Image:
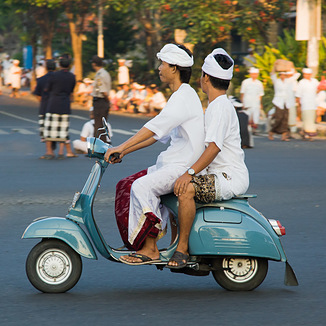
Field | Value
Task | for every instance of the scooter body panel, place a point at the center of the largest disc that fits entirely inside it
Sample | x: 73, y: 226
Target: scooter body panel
x: 231, y: 228
x: 229, y: 236
x: 62, y: 229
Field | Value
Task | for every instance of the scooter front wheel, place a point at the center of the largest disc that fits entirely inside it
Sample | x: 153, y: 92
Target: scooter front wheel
x: 240, y: 273
x: 53, y: 267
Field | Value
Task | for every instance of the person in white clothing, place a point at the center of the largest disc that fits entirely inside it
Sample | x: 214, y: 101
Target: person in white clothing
x: 182, y: 122
x: 225, y: 173
x: 123, y: 72
x: 157, y: 102
x: 281, y: 101
x: 40, y: 69
x: 292, y: 81
x: 306, y: 96
x: 6, y: 65
x: 251, y: 93
x: 15, y: 78
x: 80, y: 145
x: 321, y: 105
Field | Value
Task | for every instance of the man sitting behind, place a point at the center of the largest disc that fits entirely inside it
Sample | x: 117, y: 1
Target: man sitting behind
x: 226, y: 174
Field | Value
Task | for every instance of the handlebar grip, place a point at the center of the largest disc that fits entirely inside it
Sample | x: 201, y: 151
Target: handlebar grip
x: 114, y: 156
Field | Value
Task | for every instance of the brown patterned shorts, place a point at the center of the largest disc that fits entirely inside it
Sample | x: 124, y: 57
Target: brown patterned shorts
x: 204, y: 188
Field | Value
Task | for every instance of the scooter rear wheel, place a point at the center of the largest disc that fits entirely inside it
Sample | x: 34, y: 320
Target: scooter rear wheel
x: 53, y: 267
x: 240, y: 273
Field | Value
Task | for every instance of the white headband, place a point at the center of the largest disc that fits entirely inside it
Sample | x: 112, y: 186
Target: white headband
x: 307, y: 71
x: 253, y: 70
x: 212, y: 68
x: 173, y: 55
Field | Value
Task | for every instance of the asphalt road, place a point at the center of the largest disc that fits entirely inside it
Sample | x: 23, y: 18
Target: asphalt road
x: 290, y: 181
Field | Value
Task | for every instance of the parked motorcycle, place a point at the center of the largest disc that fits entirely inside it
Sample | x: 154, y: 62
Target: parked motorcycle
x: 229, y: 239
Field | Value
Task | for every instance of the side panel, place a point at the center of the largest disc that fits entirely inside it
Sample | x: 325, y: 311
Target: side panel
x: 230, y: 236
x: 62, y: 229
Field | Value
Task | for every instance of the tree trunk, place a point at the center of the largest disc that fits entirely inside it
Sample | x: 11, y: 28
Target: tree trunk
x: 152, y: 35
x: 77, y: 45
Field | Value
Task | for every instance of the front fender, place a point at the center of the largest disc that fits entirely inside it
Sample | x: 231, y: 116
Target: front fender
x: 62, y: 229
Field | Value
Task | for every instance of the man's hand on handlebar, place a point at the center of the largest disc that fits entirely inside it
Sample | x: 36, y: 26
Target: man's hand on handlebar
x: 113, y: 155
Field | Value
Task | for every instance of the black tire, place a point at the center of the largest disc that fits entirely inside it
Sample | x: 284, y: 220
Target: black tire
x: 53, y: 267
x: 240, y: 273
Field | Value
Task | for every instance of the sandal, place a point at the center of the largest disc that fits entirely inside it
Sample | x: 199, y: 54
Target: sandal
x: 144, y: 260
x: 71, y: 155
x: 60, y: 157
x: 180, y: 258
x: 47, y: 157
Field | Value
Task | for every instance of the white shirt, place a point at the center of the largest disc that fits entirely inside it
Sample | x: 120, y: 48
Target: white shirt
x: 88, y: 129
x: 222, y: 128
x: 102, y: 83
x: 284, y: 91
x: 123, y: 75
x: 40, y: 71
x: 321, y: 99
x: 181, y: 121
x: 85, y: 88
x: 307, y: 92
x: 15, y: 76
x: 158, y: 100
x: 252, y: 90
x: 292, y: 85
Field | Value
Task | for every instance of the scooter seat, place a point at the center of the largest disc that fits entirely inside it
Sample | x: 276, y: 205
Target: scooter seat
x: 171, y: 201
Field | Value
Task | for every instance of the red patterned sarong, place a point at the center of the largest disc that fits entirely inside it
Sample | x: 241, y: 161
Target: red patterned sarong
x: 122, y: 202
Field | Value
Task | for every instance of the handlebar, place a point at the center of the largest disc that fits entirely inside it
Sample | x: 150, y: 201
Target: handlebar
x: 97, y: 148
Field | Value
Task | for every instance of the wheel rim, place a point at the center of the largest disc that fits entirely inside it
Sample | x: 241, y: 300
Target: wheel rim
x: 240, y: 270
x: 54, y: 266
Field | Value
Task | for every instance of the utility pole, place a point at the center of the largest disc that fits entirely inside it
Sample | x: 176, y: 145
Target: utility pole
x: 308, y: 28
x: 100, y: 38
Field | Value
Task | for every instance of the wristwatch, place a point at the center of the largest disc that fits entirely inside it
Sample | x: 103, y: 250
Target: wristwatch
x: 191, y: 172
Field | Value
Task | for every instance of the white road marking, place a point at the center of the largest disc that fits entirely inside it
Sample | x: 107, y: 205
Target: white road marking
x: 123, y: 132
x: 24, y: 131
x: 72, y: 131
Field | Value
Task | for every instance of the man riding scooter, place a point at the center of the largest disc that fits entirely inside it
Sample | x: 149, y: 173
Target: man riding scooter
x: 140, y: 217
x: 223, y: 159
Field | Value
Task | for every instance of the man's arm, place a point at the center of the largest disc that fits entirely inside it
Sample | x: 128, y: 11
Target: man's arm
x: 140, y: 140
x: 203, y: 162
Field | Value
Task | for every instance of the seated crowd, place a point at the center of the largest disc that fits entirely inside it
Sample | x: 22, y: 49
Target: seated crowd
x: 137, y: 98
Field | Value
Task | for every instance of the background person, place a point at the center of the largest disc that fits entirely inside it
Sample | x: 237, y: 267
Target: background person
x: 157, y: 101
x: 251, y: 93
x: 100, y: 93
x: 56, y: 126
x: 15, y: 78
x: 292, y: 81
x: 84, y: 92
x: 43, y: 97
x: 123, y: 72
x: 80, y: 145
x: 306, y: 96
x: 281, y: 100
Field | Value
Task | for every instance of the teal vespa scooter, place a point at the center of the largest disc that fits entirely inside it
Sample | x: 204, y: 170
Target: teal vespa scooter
x: 228, y: 238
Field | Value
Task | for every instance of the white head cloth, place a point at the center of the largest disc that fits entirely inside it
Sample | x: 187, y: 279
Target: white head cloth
x: 212, y: 68
x: 253, y: 70
x: 307, y: 71
x: 173, y: 55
